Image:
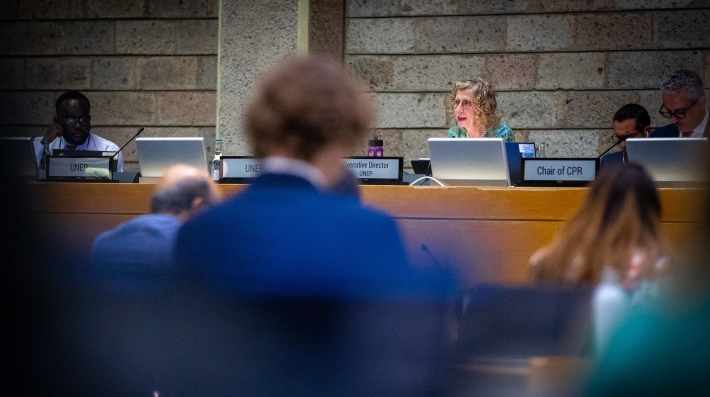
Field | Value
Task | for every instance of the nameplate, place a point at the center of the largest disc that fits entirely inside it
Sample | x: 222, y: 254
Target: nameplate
x: 380, y: 170
x: 559, y: 170
x: 78, y: 167
x: 240, y: 167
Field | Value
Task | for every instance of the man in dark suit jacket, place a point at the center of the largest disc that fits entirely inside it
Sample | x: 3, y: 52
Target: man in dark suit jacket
x: 684, y: 103
x: 630, y: 121
x: 323, y: 300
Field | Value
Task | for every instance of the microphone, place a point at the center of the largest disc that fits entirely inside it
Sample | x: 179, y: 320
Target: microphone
x: 610, y: 147
x: 129, y: 141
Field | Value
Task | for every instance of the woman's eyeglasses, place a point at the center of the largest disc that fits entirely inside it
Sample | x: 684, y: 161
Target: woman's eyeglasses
x: 464, y: 104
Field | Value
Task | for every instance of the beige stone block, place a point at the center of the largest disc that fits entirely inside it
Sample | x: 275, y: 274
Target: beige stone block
x: 591, y: 109
x: 540, y: 32
x: 371, y: 8
x: 577, y: 71
x: 212, y: 8
x: 197, y: 36
x: 32, y: 38
x: 415, y: 145
x: 415, y: 72
x: 207, y: 75
x: 58, y: 73
x: 11, y: 10
x: 706, y: 67
x: 523, y: 110
x: 569, y: 143
x: 113, y: 73
x: 391, y: 143
x: 91, y: 38
x: 145, y: 37
x: 121, y: 135
x: 187, y: 108
x: 411, y: 110
x: 522, y: 135
x: 646, y: 69
x: 177, y: 8
x: 682, y: 29
x: 115, y: 9
x: 26, y: 108
x: 23, y: 130
x: 166, y: 73
x: 374, y: 36
x: 12, y: 73
x: 577, y: 5
x: 326, y: 24
x: 500, y: 6
x: 654, y: 4
x: 652, y: 101
x: 511, y: 72
x: 123, y: 108
x: 461, y: 34
x: 51, y: 9
x: 607, y: 31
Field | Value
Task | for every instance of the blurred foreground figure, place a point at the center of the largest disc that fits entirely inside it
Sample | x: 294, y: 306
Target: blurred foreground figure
x: 145, y: 243
x: 322, y: 301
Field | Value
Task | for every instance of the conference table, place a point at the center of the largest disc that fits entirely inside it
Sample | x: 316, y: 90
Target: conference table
x: 486, y: 233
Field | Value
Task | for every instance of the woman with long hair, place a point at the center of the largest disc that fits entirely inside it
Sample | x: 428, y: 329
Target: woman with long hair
x: 618, y: 226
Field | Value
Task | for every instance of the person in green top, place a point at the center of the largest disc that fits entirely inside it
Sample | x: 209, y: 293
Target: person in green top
x: 474, y: 105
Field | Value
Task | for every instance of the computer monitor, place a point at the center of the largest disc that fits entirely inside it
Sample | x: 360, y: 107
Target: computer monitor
x: 469, y: 161
x: 515, y: 152
x: 17, y: 159
x: 671, y: 161
x: 155, y: 155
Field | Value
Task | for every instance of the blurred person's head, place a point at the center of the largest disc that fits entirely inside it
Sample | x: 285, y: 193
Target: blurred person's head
x: 683, y: 99
x: 631, y: 121
x: 474, y: 105
x: 74, y: 116
x: 308, y: 108
x: 619, y: 222
x: 183, y: 191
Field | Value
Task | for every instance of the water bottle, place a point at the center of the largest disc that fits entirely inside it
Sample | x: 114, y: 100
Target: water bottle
x: 610, y: 302
x: 217, y: 163
x: 374, y: 148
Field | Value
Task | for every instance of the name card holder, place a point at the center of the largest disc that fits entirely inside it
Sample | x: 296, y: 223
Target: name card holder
x: 558, y: 171
x: 79, y: 168
x: 239, y: 169
x: 377, y: 170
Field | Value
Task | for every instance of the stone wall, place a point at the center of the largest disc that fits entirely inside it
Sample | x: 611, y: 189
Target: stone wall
x: 142, y: 63
x: 561, y: 69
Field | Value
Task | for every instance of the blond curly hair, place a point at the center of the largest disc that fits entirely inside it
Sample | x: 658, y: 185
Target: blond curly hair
x: 484, y: 103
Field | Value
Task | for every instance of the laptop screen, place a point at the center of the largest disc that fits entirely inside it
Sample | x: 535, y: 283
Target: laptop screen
x: 18, y: 159
x: 155, y: 155
x: 469, y: 161
x: 671, y: 160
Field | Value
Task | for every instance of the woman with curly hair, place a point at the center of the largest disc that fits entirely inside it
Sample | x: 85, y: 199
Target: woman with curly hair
x: 474, y: 105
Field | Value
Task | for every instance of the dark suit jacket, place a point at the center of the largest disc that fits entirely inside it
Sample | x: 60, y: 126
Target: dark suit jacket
x: 612, y: 158
x: 671, y: 131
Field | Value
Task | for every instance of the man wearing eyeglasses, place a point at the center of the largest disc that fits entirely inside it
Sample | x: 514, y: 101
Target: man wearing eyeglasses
x: 684, y: 104
x: 630, y: 121
x: 71, y: 129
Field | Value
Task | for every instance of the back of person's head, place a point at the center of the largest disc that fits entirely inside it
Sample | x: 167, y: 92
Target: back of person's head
x: 636, y: 112
x: 619, y: 220
x: 76, y: 95
x: 680, y: 79
x: 182, y: 190
x: 305, y: 103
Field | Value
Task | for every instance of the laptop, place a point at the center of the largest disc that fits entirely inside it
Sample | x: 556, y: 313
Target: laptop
x: 155, y: 155
x: 671, y: 161
x: 515, y: 152
x: 469, y: 161
x: 18, y: 159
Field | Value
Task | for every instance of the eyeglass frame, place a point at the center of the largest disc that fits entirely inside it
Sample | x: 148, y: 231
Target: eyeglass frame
x: 461, y: 103
x: 82, y: 119
x: 679, y: 114
x: 618, y: 139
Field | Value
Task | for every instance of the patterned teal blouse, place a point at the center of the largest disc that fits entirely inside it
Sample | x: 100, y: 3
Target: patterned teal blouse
x: 501, y: 130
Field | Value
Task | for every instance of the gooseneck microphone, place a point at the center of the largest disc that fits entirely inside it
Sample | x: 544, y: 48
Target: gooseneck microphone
x: 610, y: 147
x: 129, y: 141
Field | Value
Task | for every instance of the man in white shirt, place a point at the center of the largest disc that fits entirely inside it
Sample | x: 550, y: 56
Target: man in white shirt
x: 684, y: 103
x: 72, y: 129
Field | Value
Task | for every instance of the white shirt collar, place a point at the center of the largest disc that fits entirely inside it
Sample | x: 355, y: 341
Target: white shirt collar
x: 84, y: 146
x: 299, y: 168
x: 700, y: 129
